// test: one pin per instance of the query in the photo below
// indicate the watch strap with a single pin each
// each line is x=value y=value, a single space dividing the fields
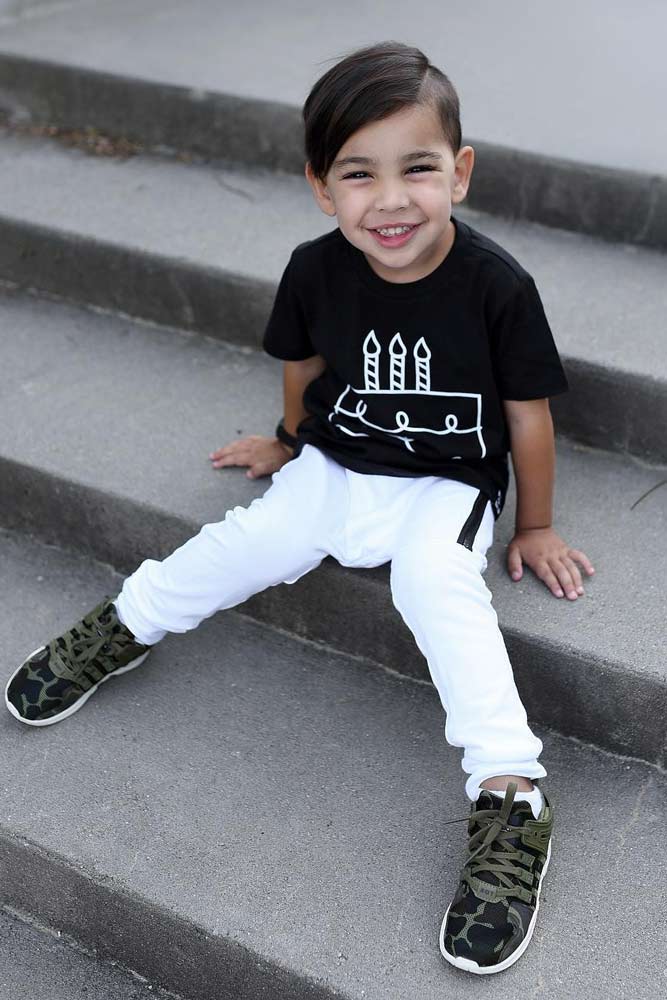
x=284 y=435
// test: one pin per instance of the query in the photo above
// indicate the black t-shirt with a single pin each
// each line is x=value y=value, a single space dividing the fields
x=416 y=372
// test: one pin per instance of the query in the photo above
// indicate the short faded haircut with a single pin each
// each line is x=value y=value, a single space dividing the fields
x=368 y=85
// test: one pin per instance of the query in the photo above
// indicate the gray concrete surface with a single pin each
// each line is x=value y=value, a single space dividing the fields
x=574 y=81
x=154 y=74
x=107 y=429
x=180 y=246
x=246 y=804
x=619 y=205
x=250 y=816
x=37 y=965
x=17 y=10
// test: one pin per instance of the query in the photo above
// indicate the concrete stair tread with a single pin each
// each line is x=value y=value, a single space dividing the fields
x=132 y=412
x=263 y=792
x=606 y=303
x=38 y=966
x=277 y=56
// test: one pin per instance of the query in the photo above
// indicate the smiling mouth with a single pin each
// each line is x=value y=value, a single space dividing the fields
x=397 y=228
x=394 y=237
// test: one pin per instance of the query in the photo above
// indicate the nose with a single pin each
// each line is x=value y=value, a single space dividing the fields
x=391 y=195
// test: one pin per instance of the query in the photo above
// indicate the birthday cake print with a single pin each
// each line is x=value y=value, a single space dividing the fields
x=454 y=413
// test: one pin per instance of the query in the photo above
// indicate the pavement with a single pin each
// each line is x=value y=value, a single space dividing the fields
x=543 y=94
x=39 y=964
x=260 y=812
x=560 y=81
x=179 y=245
x=249 y=815
x=113 y=473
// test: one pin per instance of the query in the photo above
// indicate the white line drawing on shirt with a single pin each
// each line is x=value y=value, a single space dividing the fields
x=357 y=408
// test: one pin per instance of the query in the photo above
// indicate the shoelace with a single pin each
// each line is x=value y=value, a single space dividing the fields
x=492 y=852
x=74 y=653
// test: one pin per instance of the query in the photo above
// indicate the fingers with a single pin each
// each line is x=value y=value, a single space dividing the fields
x=562 y=577
x=225 y=457
x=551 y=559
x=547 y=576
x=237 y=453
x=582 y=559
x=262 y=455
x=259 y=469
x=575 y=575
x=514 y=563
x=569 y=575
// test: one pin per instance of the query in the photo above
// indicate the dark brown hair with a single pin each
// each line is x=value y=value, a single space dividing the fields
x=368 y=85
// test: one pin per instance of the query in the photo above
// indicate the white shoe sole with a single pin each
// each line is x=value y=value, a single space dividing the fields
x=485 y=970
x=77 y=704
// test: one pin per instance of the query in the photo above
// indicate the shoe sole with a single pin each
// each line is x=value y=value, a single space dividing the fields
x=468 y=965
x=77 y=704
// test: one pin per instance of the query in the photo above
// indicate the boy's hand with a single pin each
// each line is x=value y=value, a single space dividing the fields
x=550 y=558
x=264 y=455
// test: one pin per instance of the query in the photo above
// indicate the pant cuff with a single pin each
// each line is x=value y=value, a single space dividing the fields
x=526 y=769
x=143 y=634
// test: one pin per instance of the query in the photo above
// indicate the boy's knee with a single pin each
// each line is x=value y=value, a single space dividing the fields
x=438 y=566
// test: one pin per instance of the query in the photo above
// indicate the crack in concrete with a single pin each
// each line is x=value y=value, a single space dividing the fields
x=635 y=814
x=654 y=186
x=69 y=942
x=539 y=986
x=234 y=190
x=186 y=312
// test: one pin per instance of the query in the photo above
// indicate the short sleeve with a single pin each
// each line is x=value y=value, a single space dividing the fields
x=286 y=335
x=526 y=361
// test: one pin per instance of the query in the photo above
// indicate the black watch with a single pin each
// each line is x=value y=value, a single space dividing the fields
x=284 y=435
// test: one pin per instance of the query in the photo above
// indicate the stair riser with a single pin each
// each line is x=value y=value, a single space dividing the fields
x=608 y=409
x=614 y=410
x=612 y=204
x=617 y=205
x=122 y=927
x=163 y=290
x=349 y=611
x=159 y=117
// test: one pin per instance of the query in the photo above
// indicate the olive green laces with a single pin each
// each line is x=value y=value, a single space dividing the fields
x=494 y=850
x=72 y=655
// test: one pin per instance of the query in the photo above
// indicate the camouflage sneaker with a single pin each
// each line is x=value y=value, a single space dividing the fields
x=57 y=679
x=492 y=917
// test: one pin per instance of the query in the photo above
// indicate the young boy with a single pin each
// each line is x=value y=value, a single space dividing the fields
x=416 y=352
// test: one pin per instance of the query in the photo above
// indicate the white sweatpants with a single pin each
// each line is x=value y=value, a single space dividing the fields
x=315 y=508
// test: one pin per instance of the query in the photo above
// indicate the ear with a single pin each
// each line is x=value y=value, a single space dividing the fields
x=320 y=191
x=463 y=164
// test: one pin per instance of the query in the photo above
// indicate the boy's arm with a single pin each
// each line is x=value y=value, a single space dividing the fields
x=265 y=455
x=535 y=542
x=297 y=375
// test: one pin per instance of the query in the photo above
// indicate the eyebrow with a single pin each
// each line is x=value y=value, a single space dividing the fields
x=367 y=161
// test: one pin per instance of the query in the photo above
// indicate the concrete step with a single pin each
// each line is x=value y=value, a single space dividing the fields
x=250 y=816
x=38 y=965
x=203 y=249
x=228 y=83
x=108 y=425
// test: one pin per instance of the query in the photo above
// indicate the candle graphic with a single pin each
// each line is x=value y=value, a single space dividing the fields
x=422 y=355
x=397 y=352
x=392 y=403
x=371 y=361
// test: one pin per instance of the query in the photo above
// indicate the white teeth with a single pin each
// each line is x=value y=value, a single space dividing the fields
x=394 y=230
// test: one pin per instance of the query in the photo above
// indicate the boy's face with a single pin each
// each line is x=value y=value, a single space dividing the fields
x=410 y=177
